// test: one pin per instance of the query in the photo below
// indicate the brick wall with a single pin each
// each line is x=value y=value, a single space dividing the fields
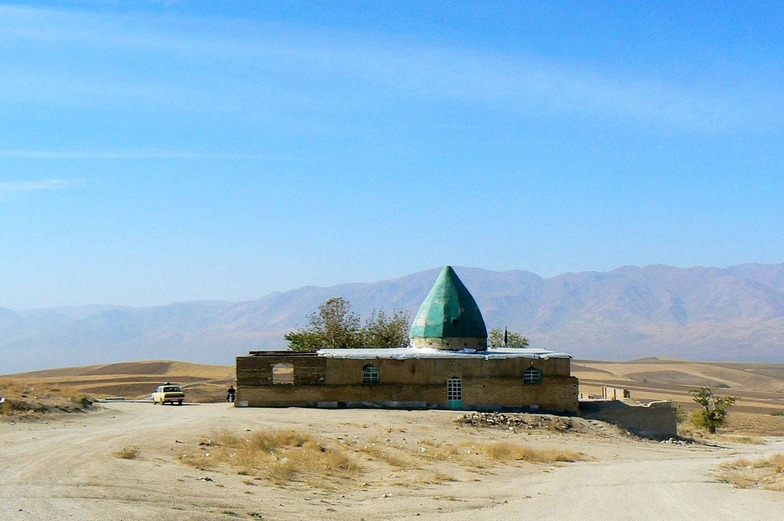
x=487 y=384
x=309 y=369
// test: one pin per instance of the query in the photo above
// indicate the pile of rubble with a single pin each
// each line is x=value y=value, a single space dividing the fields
x=673 y=441
x=516 y=421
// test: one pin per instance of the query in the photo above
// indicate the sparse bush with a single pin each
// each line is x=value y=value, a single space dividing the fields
x=680 y=415
x=7 y=408
x=280 y=456
x=750 y=440
x=505 y=451
x=440 y=477
x=713 y=412
x=290 y=456
x=767 y=473
x=392 y=457
x=128 y=453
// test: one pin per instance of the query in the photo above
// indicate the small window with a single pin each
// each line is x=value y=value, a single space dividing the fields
x=370 y=375
x=454 y=389
x=532 y=375
x=283 y=374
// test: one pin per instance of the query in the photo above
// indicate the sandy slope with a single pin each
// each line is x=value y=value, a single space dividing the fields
x=65 y=468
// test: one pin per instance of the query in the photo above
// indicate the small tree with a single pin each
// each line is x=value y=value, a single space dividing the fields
x=382 y=330
x=496 y=338
x=713 y=412
x=303 y=340
x=335 y=326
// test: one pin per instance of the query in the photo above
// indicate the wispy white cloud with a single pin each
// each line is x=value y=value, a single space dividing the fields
x=34 y=186
x=283 y=59
x=128 y=154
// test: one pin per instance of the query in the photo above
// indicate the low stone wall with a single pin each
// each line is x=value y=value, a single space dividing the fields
x=655 y=420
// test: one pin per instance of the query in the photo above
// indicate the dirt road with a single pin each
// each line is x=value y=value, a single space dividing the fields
x=66 y=467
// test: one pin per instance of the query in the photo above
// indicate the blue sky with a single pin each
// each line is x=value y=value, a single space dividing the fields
x=153 y=152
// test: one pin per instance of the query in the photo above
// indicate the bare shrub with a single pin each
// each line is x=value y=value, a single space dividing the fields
x=441 y=477
x=7 y=408
x=290 y=456
x=766 y=473
x=505 y=451
x=281 y=456
x=393 y=457
x=23 y=399
x=128 y=453
x=690 y=431
x=732 y=438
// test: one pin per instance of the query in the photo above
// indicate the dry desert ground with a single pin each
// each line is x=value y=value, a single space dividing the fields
x=137 y=461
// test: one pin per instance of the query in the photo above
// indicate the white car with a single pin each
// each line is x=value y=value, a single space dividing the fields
x=168 y=393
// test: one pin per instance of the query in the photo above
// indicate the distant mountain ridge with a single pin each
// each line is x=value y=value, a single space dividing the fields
x=734 y=313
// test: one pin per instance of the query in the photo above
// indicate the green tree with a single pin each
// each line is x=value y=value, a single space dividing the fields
x=334 y=325
x=496 y=338
x=382 y=330
x=713 y=411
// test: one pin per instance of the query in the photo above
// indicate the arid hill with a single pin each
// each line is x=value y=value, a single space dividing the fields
x=759 y=387
x=734 y=313
x=131 y=380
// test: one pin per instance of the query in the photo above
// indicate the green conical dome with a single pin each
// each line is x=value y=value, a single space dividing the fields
x=449 y=317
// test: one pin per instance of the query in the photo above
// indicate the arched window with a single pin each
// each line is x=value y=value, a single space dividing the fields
x=532 y=375
x=370 y=375
x=283 y=374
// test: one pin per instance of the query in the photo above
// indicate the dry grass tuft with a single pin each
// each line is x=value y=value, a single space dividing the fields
x=505 y=451
x=24 y=399
x=700 y=434
x=441 y=477
x=128 y=453
x=282 y=456
x=732 y=438
x=766 y=473
x=7 y=408
x=466 y=454
x=289 y=456
x=395 y=458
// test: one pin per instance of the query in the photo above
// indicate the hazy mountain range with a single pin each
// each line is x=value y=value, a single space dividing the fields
x=736 y=313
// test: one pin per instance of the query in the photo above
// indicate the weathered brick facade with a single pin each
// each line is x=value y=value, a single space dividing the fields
x=487 y=383
x=447 y=365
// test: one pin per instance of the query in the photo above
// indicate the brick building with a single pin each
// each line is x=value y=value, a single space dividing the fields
x=447 y=366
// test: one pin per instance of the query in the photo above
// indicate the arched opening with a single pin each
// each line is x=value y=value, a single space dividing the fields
x=371 y=375
x=532 y=375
